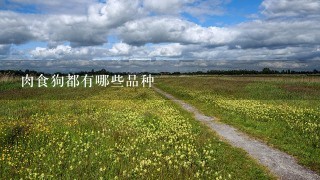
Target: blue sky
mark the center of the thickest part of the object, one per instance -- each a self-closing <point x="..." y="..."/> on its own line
<point x="162" y="30"/>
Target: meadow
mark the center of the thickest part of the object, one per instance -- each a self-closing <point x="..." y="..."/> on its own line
<point x="283" y="111"/>
<point x="110" y="133"/>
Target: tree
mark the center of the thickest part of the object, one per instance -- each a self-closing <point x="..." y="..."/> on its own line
<point x="266" y="71"/>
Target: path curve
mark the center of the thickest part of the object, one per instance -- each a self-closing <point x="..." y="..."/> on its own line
<point x="279" y="163"/>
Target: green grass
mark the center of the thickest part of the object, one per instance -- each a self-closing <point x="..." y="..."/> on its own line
<point x="110" y="133"/>
<point x="282" y="111"/>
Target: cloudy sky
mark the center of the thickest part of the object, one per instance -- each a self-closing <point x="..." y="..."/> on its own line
<point x="160" y="29"/>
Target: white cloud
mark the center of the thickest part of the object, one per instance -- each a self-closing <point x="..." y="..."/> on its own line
<point x="168" y="29"/>
<point x="121" y="49"/>
<point x="61" y="52"/>
<point x="19" y="29"/>
<point x="224" y="53"/>
<point x="115" y="12"/>
<point x="283" y="65"/>
<point x="166" y="6"/>
<point x="289" y="8"/>
<point x="196" y="8"/>
<point x="80" y="30"/>
<point x="14" y="29"/>
<point x="174" y="51"/>
<point x="289" y="29"/>
<point x="169" y="50"/>
<point x="277" y="33"/>
<point x="77" y="30"/>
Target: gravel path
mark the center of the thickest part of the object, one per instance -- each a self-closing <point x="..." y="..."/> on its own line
<point x="279" y="163"/>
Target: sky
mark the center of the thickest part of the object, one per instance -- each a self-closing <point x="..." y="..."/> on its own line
<point x="216" y="30"/>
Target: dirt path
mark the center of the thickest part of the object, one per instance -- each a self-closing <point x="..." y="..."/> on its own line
<point x="279" y="163"/>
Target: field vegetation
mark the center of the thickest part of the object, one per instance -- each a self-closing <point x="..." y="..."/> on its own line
<point x="283" y="111"/>
<point x="109" y="133"/>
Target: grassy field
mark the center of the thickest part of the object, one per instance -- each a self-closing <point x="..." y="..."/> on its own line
<point x="109" y="133"/>
<point x="283" y="111"/>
